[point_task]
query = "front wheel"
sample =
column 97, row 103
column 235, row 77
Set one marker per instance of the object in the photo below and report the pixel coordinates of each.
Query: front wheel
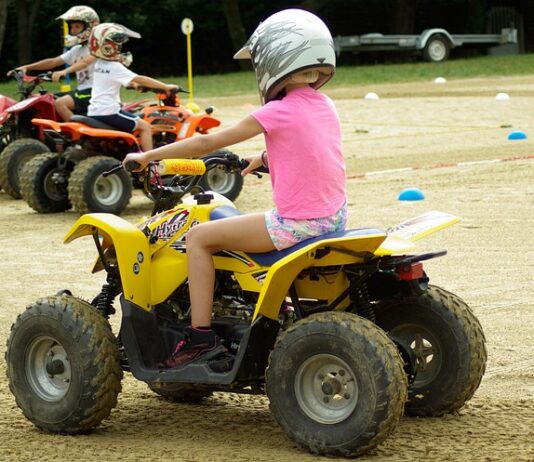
column 447, row 343
column 44, row 184
column 336, row 384
column 89, row 191
column 63, row 365
column 13, row 158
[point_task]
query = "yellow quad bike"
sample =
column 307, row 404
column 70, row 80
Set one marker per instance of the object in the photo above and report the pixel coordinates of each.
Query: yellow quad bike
column 342, row 332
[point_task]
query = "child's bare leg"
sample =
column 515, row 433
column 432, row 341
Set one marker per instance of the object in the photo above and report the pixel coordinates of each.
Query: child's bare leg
column 145, row 133
column 247, row 233
column 64, row 107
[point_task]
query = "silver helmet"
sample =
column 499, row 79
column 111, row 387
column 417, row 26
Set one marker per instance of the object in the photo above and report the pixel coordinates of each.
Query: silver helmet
column 285, row 44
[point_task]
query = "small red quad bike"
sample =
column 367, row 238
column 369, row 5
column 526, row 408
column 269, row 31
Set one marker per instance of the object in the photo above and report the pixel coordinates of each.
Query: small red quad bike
column 18, row 136
column 86, row 148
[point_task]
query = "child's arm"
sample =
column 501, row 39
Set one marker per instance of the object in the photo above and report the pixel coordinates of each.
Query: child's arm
column 149, row 82
column 43, row 65
column 198, row 146
column 80, row 64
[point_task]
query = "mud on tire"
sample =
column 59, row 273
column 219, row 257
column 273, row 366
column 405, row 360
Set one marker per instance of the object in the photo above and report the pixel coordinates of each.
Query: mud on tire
column 449, row 347
column 89, row 191
column 44, row 184
column 63, row 365
column 13, row 158
column 336, row 384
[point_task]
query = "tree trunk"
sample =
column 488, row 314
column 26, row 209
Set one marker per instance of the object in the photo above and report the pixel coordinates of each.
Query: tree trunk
column 476, row 15
column 3, row 21
column 26, row 13
column 403, row 17
column 235, row 28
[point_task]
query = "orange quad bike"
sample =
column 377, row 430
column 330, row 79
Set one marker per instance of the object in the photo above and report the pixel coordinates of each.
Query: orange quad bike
column 72, row 177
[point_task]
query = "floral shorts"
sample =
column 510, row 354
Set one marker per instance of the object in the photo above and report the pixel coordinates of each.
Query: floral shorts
column 286, row 232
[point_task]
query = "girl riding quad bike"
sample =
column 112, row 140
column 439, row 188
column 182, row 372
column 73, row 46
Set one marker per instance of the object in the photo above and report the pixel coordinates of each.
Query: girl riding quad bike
column 85, row 148
column 343, row 332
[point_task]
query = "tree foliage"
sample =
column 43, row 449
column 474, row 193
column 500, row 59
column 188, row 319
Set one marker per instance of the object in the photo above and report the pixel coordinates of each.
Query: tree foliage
column 220, row 27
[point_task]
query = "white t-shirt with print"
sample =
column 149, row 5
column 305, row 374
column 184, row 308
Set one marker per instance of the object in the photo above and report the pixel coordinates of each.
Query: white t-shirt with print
column 109, row 76
column 85, row 76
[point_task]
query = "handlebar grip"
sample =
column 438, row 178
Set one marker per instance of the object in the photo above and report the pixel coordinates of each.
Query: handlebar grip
column 131, row 165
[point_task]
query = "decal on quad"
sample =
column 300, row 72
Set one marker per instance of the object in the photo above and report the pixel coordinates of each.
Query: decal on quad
column 169, row 228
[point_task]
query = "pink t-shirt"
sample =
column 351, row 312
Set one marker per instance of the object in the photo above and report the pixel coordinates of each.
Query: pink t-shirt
column 303, row 140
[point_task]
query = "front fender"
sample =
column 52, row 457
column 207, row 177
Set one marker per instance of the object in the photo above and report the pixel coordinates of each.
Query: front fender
column 131, row 248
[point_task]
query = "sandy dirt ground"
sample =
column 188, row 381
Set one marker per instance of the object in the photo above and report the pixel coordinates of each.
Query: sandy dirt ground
column 444, row 136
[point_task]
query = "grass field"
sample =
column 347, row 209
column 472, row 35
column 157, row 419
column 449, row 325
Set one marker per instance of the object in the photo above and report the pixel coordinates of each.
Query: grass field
column 244, row 82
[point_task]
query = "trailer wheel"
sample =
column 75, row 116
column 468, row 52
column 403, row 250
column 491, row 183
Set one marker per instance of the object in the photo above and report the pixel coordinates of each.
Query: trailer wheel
column 437, row 48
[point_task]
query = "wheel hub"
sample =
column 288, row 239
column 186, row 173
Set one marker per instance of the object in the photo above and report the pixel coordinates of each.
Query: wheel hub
column 47, row 368
column 326, row 389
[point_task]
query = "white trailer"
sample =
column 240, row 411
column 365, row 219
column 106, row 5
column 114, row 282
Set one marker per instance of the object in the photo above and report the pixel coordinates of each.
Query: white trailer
column 433, row 44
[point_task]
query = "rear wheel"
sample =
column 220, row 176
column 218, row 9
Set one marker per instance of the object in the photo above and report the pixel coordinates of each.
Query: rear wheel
column 44, row 184
column 447, row 343
column 13, row 158
column 89, row 191
column 336, row 384
column 63, row 365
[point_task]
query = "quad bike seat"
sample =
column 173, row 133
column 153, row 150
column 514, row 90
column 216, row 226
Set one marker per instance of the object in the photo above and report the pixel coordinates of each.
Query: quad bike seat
column 269, row 258
column 91, row 122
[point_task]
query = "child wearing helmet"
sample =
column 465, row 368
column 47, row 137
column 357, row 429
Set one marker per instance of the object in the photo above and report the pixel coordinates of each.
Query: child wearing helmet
column 81, row 19
column 110, row 74
column 293, row 55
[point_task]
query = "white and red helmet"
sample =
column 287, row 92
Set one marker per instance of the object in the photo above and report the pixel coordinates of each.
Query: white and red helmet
column 84, row 14
column 286, row 43
column 107, row 39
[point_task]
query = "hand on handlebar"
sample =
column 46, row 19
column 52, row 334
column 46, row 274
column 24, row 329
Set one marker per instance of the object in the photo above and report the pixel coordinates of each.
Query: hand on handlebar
column 254, row 163
column 58, row 75
column 12, row 72
column 139, row 158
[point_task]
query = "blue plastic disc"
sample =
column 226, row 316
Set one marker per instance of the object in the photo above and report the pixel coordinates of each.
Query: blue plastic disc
column 411, row 194
column 517, row 135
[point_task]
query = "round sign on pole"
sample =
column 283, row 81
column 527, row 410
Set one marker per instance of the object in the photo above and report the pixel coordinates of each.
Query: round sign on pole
column 187, row 26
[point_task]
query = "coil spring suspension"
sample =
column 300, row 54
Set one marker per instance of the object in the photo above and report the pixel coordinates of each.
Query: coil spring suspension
column 362, row 301
column 104, row 300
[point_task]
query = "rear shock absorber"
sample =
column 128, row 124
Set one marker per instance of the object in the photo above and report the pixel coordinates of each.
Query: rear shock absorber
column 362, row 301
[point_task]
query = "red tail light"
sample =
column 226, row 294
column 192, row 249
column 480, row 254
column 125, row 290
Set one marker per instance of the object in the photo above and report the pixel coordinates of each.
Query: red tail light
column 410, row 271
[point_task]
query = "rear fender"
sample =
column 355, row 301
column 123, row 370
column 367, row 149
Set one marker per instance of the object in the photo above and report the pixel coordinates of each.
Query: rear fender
column 197, row 123
column 131, row 249
column 401, row 237
column 282, row 274
column 70, row 128
column 102, row 133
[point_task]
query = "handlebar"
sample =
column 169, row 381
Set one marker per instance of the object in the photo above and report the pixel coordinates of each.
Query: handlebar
column 168, row 194
column 144, row 89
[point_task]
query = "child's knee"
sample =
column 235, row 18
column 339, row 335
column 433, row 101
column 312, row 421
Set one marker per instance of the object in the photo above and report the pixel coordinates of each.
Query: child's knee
column 143, row 125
